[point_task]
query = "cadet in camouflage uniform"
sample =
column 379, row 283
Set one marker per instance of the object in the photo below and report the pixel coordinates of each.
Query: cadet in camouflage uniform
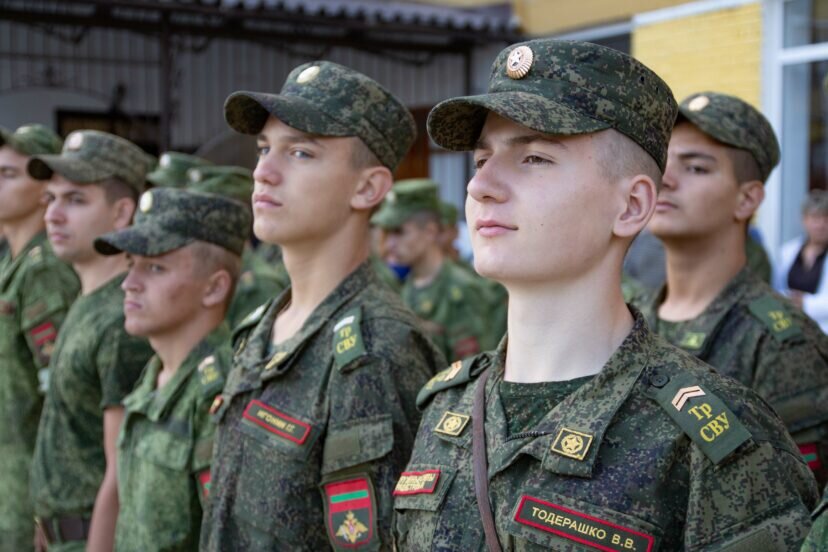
column 185, row 252
column 713, row 305
column 259, row 281
column 317, row 417
column 36, row 290
column 453, row 303
column 92, row 189
column 583, row 429
column 172, row 168
column 817, row 540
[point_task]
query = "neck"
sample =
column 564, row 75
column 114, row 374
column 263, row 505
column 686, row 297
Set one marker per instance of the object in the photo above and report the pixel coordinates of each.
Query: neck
column 99, row 270
column 20, row 233
column 565, row 330
column 174, row 347
column 698, row 269
column 316, row 269
column 426, row 269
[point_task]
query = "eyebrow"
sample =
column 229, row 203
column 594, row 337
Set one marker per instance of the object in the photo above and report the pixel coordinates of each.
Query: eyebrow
column 294, row 139
column 690, row 155
column 523, row 139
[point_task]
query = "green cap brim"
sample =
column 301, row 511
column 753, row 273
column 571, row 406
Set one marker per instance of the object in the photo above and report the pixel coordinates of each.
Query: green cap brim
column 163, row 179
column 455, row 124
column 247, row 113
column 141, row 240
column 42, row 167
column 708, row 125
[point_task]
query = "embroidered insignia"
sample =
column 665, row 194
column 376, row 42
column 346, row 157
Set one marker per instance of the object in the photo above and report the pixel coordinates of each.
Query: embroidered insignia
column 145, row 203
column 204, row 481
column 308, row 74
column 7, row 308
column 44, row 337
column 698, row 103
column 274, row 361
column 580, row 527
column 216, row 404
column 572, row 444
column 446, row 375
column 519, row 62
column 208, row 371
column 36, row 252
column 452, row 423
column 776, row 317
column 347, row 338
column 75, row 141
column 810, row 455
column 692, row 340
column 422, row 482
column 350, row 512
column 684, row 394
column 277, row 422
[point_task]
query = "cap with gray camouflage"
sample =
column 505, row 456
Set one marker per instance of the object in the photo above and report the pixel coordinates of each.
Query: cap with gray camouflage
column 170, row 218
column 733, row 122
column 172, row 169
column 31, row 140
column 566, row 88
column 229, row 181
column 407, row 198
column 328, row 99
column 90, row 156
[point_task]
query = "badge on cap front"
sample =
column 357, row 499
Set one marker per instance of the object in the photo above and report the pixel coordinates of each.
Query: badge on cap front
column 519, row 62
column 698, row 103
column 165, row 161
column 75, row 141
column 195, row 175
column 308, row 74
column 146, row 202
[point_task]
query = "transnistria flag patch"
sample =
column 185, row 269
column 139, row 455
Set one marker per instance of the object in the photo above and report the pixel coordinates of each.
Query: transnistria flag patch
column 350, row 516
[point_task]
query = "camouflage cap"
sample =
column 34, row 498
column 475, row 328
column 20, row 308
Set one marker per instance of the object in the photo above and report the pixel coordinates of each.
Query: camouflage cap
column 228, row 181
column 90, row 156
column 448, row 213
column 31, row 140
column 170, row 218
column 172, row 169
column 733, row 122
column 407, row 198
column 328, row 99
column 566, row 88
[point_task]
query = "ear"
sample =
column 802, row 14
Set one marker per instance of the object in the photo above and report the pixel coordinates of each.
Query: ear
column 751, row 194
column 217, row 289
column 640, row 200
column 122, row 210
column 374, row 183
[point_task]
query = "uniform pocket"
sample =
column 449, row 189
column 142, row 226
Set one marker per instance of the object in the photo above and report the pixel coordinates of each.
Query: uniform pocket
column 356, row 442
column 165, row 449
column 418, row 495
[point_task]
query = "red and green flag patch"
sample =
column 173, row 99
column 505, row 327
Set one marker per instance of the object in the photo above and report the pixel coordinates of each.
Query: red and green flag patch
column 810, row 455
column 349, row 506
column 204, row 481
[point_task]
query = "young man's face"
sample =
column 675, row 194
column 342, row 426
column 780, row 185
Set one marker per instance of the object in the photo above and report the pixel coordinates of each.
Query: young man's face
column 700, row 192
column 162, row 293
column 538, row 207
column 303, row 185
column 76, row 214
column 20, row 195
column 409, row 243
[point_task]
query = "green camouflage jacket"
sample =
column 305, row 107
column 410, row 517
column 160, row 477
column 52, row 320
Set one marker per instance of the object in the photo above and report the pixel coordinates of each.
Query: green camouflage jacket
column 656, row 452
column 165, row 449
column 312, row 433
column 817, row 540
column 258, row 283
column 757, row 337
column 94, row 366
column 455, row 308
column 36, row 290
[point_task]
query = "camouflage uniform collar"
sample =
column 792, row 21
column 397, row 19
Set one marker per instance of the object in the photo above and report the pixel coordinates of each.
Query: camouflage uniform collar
column 39, row 240
column 698, row 333
column 589, row 411
column 155, row 403
column 280, row 361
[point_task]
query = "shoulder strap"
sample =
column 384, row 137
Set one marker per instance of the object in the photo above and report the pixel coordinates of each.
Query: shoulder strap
column 481, row 465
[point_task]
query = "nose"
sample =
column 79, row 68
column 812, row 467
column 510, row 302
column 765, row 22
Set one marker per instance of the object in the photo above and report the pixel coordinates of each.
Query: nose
column 132, row 282
column 267, row 170
column 668, row 179
column 487, row 185
column 54, row 213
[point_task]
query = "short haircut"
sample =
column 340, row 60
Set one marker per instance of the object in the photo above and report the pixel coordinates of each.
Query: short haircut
column 210, row 258
column 116, row 189
column 745, row 167
column 816, row 203
column 421, row 218
column 620, row 157
column 362, row 157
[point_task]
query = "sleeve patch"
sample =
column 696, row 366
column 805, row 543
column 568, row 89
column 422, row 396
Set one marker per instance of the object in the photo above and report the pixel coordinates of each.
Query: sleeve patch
column 204, row 482
column 348, row 344
column 776, row 317
column 711, row 425
column 43, row 337
column 810, row 454
column 350, row 512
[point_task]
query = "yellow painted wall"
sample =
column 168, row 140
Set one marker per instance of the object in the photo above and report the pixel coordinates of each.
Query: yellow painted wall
column 545, row 17
column 719, row 50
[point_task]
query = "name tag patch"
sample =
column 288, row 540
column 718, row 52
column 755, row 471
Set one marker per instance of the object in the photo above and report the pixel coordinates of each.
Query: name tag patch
column 422, row 482
column 277, row 422
column 580, row 527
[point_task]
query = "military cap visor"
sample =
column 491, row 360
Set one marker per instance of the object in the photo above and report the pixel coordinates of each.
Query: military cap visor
column 81, row 171
column 247, row 112
column 141, row 240
column 456, row 124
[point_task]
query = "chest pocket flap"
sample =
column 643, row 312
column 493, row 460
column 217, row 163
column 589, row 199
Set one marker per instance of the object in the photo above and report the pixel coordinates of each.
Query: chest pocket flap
column 164, row 448
column 357, row 441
